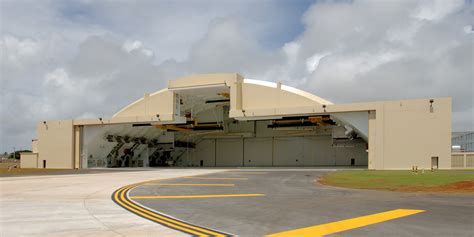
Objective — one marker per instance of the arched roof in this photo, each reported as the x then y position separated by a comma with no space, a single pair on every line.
253,93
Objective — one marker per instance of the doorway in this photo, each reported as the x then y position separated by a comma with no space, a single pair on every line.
434,162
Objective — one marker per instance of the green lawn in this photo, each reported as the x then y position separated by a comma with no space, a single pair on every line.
440,180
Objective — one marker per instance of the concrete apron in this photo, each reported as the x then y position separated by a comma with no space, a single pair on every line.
77,205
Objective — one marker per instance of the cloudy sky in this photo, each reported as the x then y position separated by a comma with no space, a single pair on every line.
79,59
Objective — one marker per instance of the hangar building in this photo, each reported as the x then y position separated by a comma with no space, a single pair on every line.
224,120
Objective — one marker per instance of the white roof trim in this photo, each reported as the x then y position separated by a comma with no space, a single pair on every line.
289,89
261,83
306,94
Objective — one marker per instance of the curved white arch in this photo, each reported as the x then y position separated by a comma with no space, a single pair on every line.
289,89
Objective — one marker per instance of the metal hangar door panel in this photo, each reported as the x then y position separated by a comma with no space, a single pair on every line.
288,151
318,151
258,151
229,152
205,154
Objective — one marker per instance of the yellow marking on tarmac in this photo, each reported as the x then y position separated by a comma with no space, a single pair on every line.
179,225
209,178
199,196
121,199
339,226
218,185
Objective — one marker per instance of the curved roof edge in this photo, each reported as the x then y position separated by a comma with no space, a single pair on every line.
289,89
138,101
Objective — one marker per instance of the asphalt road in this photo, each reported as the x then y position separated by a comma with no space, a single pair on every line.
283,200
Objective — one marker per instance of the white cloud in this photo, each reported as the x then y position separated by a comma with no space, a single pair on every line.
435,10
312,62
136,45
469,29
16,52
59,79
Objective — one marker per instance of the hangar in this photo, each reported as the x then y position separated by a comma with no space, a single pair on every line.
224,120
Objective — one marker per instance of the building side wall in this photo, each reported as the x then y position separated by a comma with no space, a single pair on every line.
413,134
34,146
56,144
29,160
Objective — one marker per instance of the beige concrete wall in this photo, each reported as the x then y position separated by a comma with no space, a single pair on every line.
34,146
28,160
56,144
410,134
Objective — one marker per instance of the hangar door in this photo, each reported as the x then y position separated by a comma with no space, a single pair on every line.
205,153
277,151
288,151
318,151
229,152
258,152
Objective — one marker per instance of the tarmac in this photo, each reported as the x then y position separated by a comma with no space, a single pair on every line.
266,202
247,202
77,205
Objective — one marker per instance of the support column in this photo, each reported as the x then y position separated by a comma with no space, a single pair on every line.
371,140
77,146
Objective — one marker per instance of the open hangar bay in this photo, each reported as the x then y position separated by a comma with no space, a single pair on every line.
224,120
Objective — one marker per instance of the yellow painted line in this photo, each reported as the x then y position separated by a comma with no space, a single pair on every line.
339,226
199,196
211,185
208,178
147,214
161,219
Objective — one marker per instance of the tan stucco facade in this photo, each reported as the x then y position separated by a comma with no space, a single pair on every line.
28,160
400,134
56,144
